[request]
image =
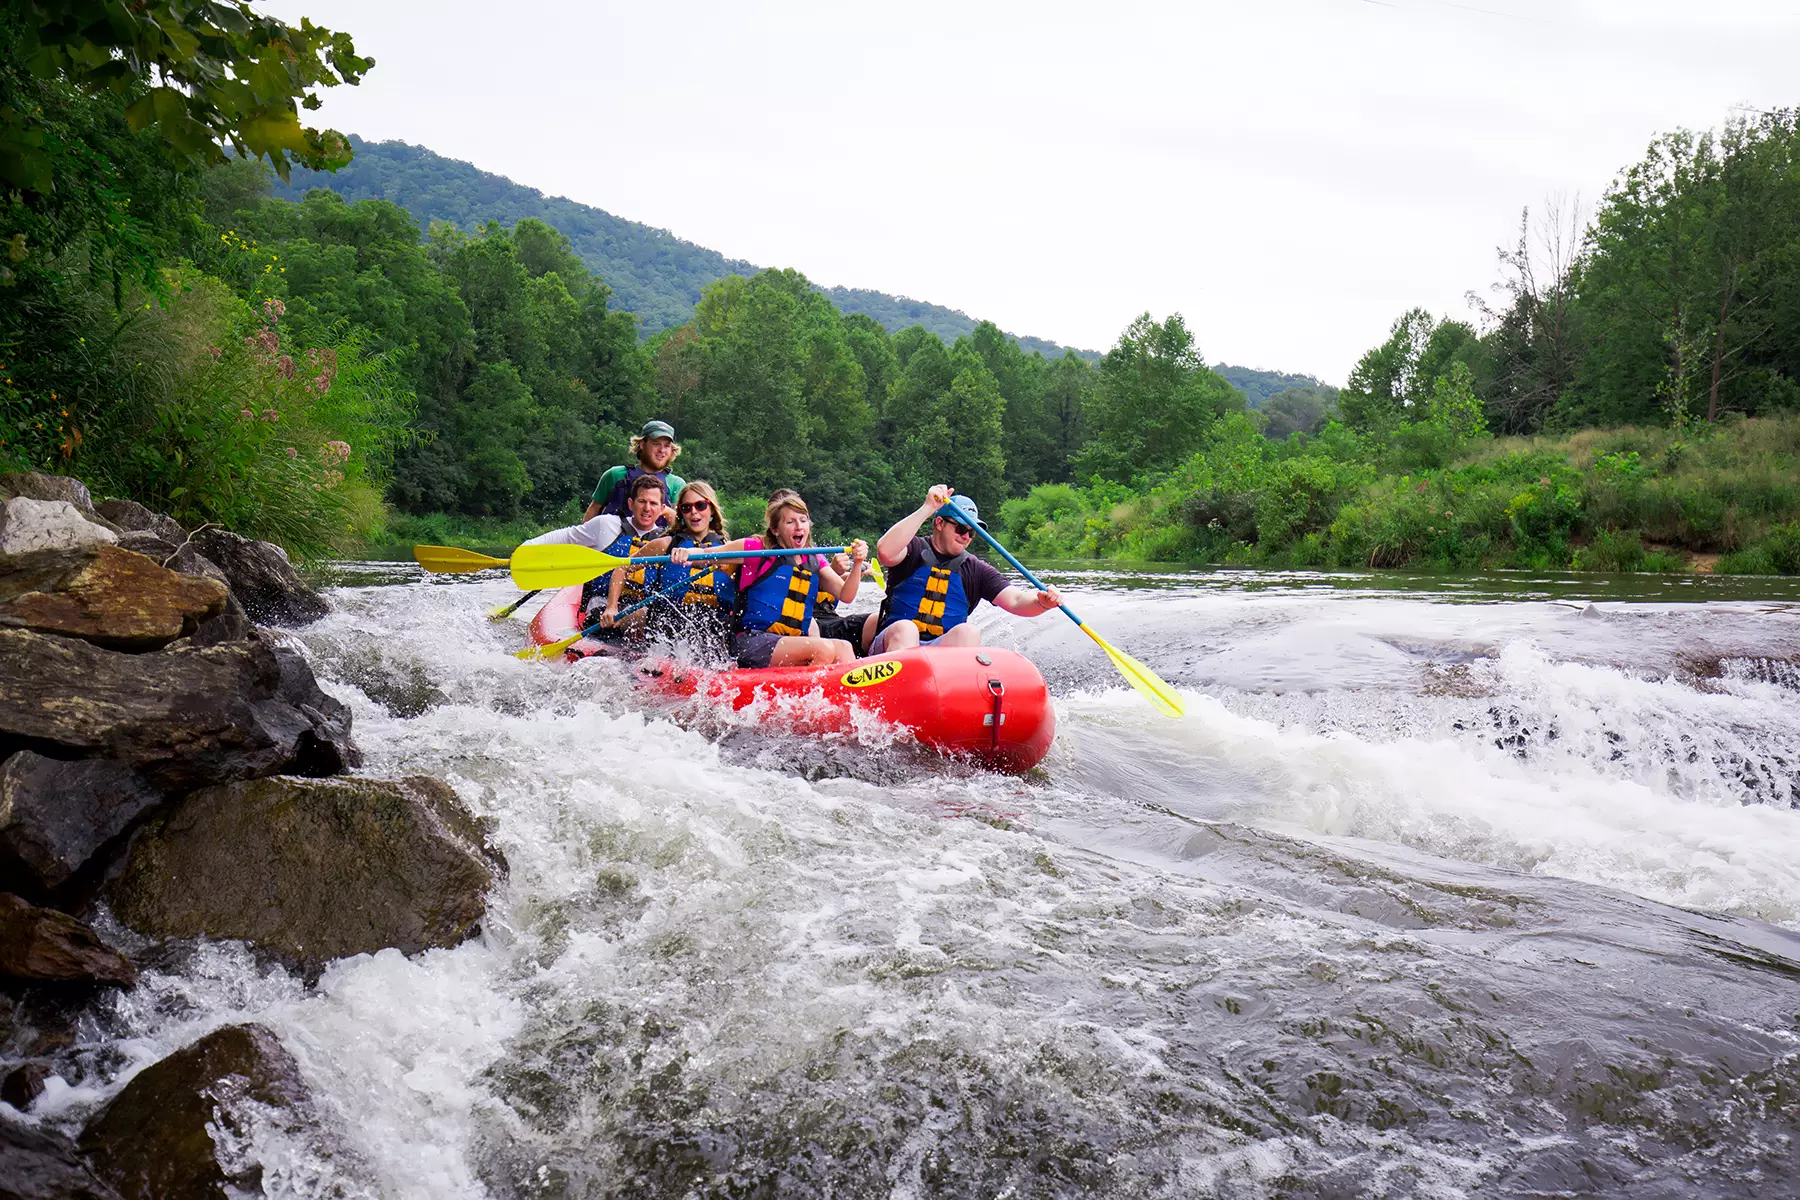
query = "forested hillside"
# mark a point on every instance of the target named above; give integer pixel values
(652, 273)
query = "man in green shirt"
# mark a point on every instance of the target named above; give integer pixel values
(655, 449)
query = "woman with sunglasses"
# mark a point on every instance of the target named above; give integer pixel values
(776, 596)
(699, 613)
(935, 583)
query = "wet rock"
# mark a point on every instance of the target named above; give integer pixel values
(35, 1165)
(108, 596)
(130, 515)
(36, 486)
(183, 718)
(148, 545)
(41, 945)
(56, 815)
(261, 578)
(24, 1084)
(27, 525)
(311, 870)
(153, 1141)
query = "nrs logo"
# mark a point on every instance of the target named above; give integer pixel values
(870, 674)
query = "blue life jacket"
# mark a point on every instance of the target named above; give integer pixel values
(782, 600)
(618, 501)
(629, 542)
(709, 585)
(931, 596)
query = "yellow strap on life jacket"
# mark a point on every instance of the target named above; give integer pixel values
(931, 605)
(793, 605)
(633, 591)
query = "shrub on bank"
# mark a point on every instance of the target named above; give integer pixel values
(1593, 501)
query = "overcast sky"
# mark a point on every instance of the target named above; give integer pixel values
(1289, 174)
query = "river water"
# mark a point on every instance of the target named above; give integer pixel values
(1475, 887)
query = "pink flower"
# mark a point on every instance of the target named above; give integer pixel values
(285, 365)
(271, 416)
(246, 414)
(215, 352)
(293, 453)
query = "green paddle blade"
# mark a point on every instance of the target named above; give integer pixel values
(1142, 678)
(451, 560)
(537, 567)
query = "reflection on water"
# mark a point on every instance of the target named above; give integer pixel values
(1446, 886)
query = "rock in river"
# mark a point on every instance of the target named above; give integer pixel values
(37, 1165)
(155, 1140)
(108, 596)
(130, 515)
(183, 718)
(311, 869)
(55, 815)
(41, 945)
(261, 578)
(27, 524)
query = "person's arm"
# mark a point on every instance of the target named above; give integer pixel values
(844, 586)
(890, 550)
(1028, 602)
(680, 556)
(614, 589)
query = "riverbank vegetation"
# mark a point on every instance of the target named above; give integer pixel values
(325, 372)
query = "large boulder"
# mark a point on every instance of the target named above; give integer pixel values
(155, 1140)
(311, 870)
(261, 578)
(109, 596)
(183, 718)
(56, 815)
(27, 525)
(34, 485)
(38, 1165)
(130, 515)
(41, 945)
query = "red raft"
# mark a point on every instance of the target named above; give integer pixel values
(978, 702)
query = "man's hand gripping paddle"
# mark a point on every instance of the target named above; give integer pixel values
(1146, 681)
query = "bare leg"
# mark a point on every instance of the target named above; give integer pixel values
(810, 652)
(963, 635)
(901, 635)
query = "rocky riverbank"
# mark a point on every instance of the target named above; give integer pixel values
(171, 770)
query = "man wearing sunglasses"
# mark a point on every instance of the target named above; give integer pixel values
(935, 583)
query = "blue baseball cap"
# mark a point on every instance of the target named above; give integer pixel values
(969, 514)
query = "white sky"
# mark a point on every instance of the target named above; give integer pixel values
(1289, 174)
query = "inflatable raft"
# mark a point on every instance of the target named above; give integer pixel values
(977, 702)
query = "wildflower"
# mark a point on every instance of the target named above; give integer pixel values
(285, 365)
(271, 416)
(246, 414)
(215, 352)
(292, 453)
(337, 451)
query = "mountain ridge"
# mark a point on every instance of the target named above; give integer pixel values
(653, 273)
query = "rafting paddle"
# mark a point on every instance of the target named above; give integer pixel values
(1136, 673)
(503, 611)
(565, 565)
(555, 648)
(453, 560)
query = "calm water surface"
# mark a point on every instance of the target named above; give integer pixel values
(1445, 887)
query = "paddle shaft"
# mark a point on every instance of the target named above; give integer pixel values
(705, 555)
(646, 602)
(509, 610)
(950, 513)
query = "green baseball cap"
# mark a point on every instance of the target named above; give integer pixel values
(656, 429)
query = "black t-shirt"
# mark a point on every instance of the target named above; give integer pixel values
(979, 580)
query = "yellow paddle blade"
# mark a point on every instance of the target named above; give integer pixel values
(551, 651)
(452, 560)
(879, 574)
(538, 567)
(1142, 678)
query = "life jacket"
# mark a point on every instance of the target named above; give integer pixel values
(826, 604)
(781, 599)
(709, 585)
(617, 502)
(931, 596)
(629, 542)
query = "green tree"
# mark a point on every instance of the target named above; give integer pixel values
(1154, 401)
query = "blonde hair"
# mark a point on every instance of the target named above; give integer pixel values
(784, 499)
(704, 490)
(637, 445)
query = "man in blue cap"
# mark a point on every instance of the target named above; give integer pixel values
(655, 448)
(935, 583)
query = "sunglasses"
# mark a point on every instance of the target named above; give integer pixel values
(960, 530)
(693, 506)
